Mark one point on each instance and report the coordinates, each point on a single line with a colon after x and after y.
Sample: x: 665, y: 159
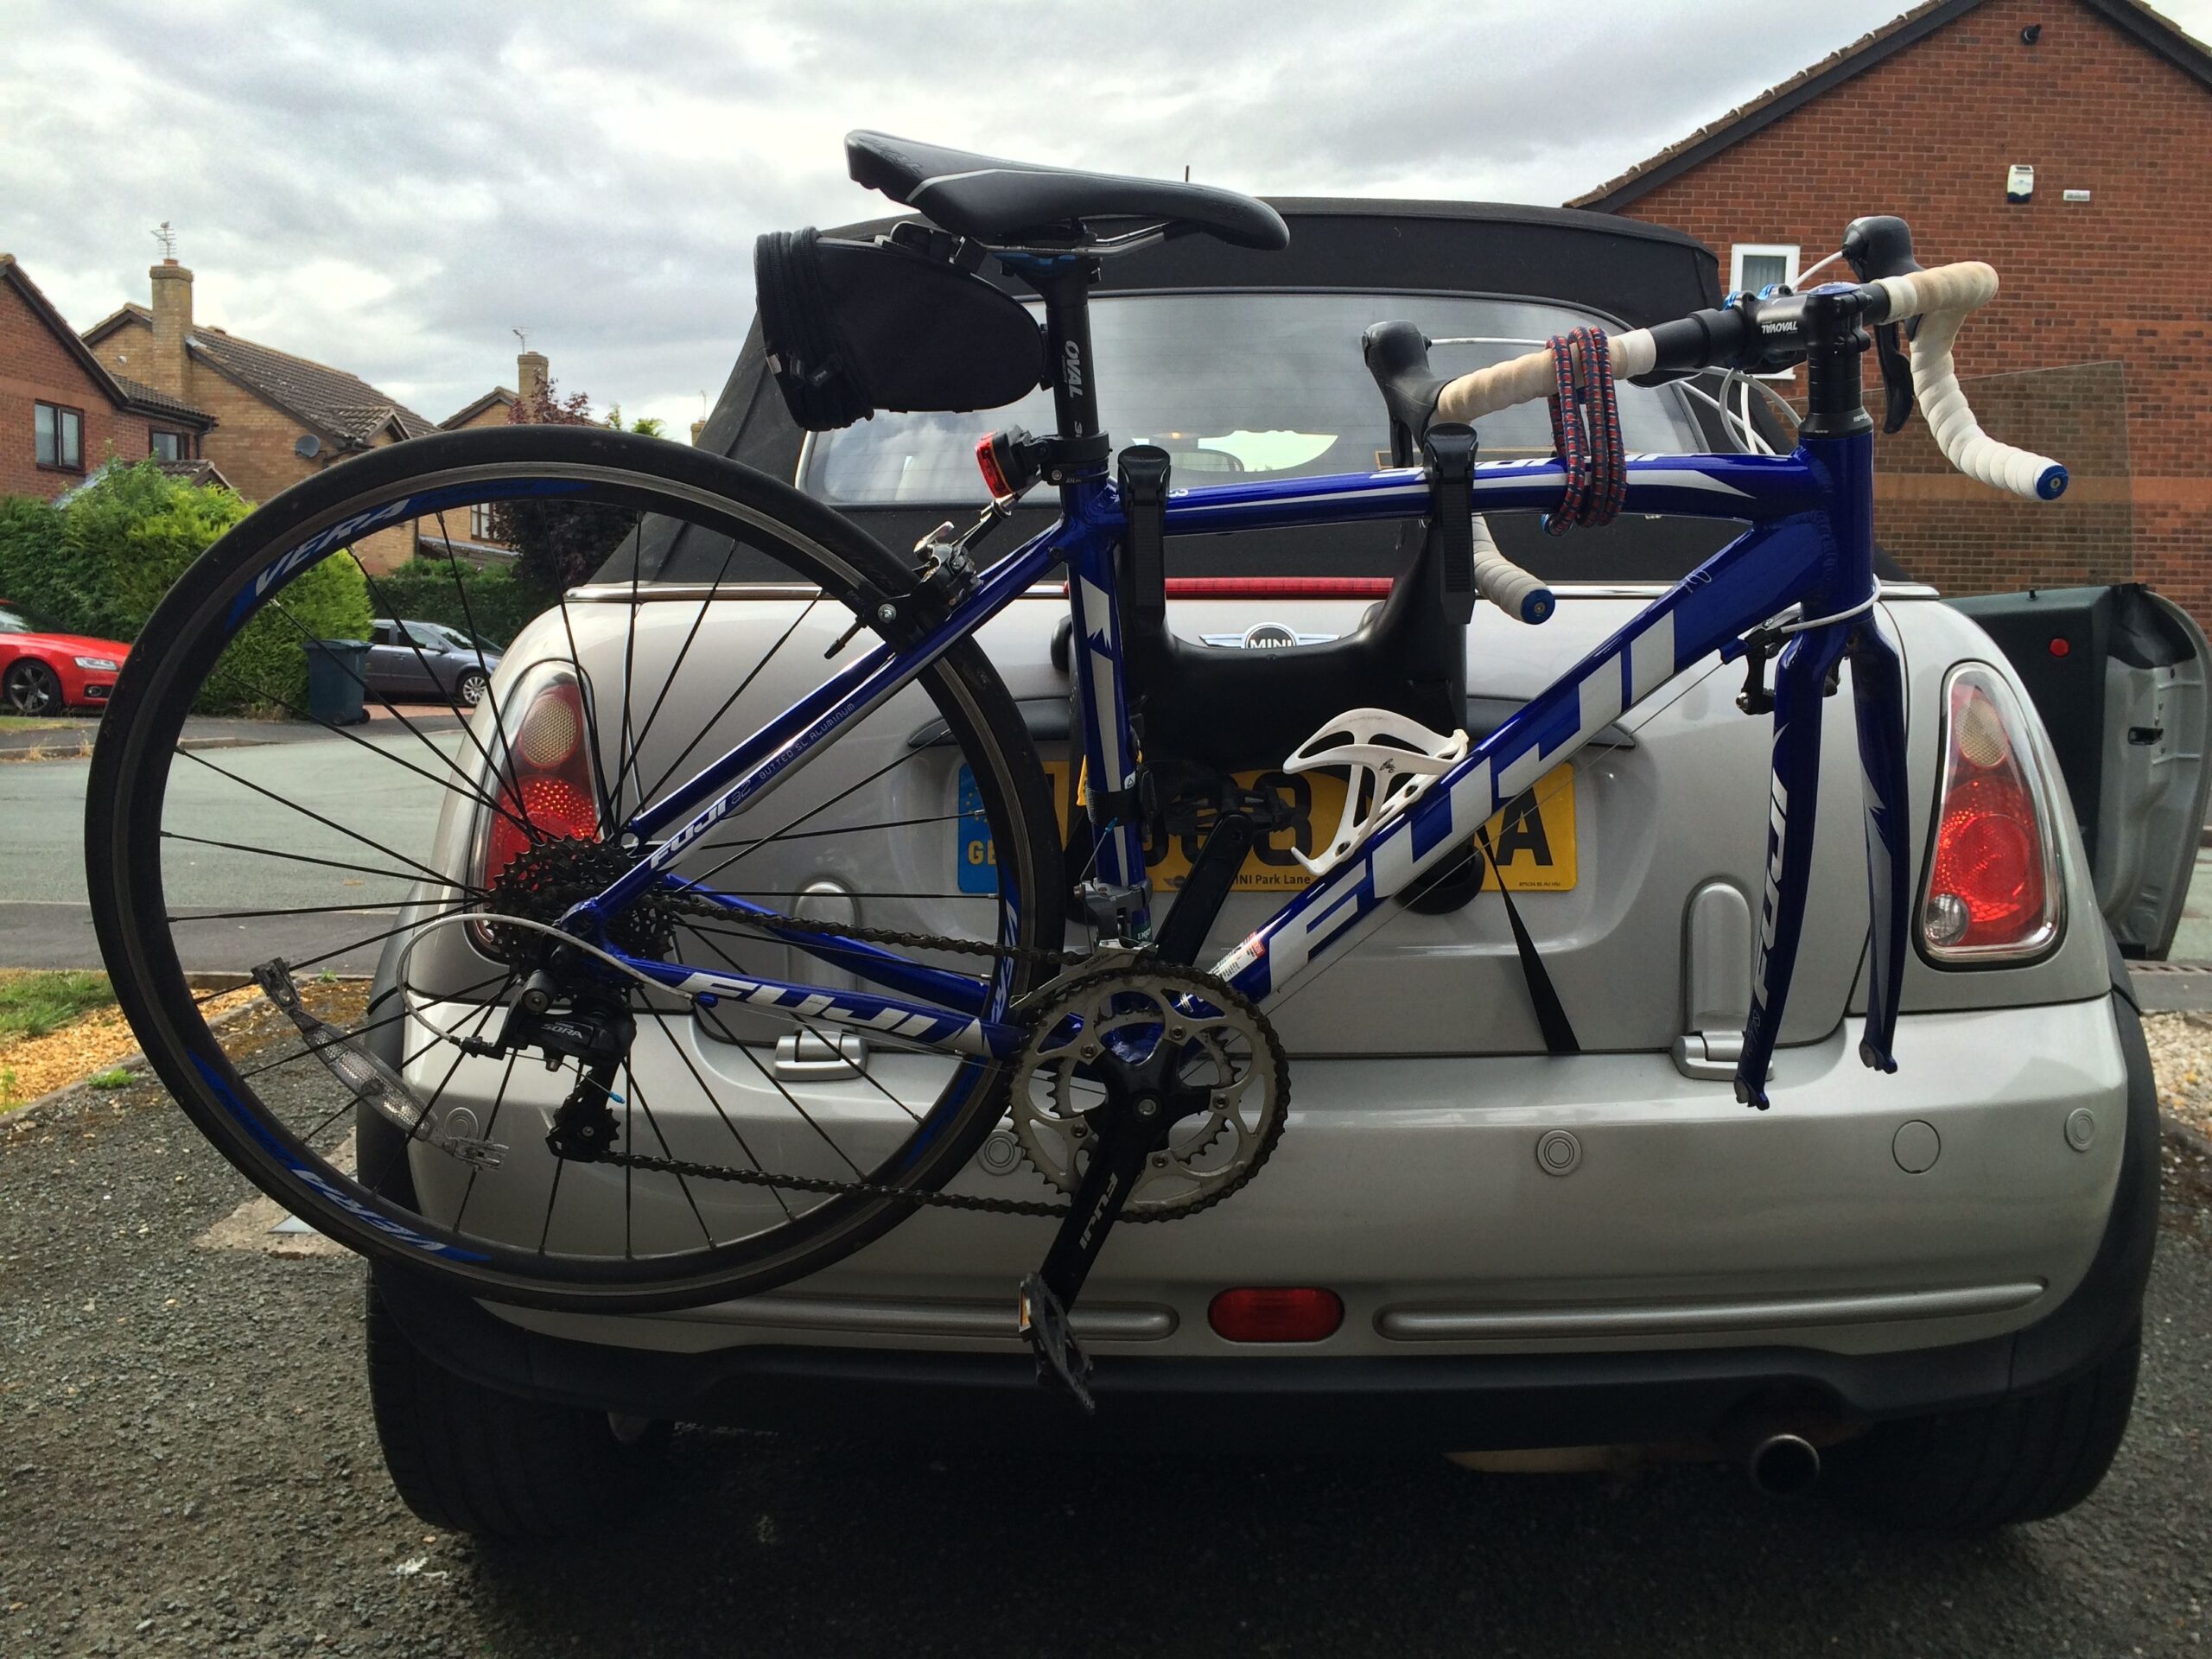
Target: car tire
x: 468, y: 691
x: 2024, y: 1458
x: 469, y: 1458
x: 31, y: 688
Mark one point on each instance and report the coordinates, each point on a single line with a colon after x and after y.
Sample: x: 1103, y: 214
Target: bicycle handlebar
x: 1766, y: 333
x: 1505, y: 584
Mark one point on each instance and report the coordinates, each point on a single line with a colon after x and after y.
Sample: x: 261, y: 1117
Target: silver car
x: 1470, y: 1240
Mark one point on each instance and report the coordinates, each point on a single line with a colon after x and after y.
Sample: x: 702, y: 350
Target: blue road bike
x: 582, y: 880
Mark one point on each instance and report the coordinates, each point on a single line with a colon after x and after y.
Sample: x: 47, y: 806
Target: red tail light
x: 1993, y: 890
x: 551, y: 782
x: 1275, y: 1314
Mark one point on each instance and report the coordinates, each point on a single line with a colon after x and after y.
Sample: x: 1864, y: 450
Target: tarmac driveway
x: 186, y: 1464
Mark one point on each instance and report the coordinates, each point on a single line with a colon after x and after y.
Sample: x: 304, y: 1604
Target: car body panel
x: 1409, y: 1179
x: 81, y: 687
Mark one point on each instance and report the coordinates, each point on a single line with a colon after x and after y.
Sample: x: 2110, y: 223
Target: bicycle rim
x: 349, y: 854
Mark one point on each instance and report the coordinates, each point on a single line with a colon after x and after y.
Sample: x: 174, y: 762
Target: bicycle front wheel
x: 403, y: 869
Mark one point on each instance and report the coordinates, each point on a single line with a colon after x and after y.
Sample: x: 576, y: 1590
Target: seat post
x: 1064, y: 283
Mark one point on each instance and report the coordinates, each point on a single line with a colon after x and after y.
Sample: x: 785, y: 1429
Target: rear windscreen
x: 1238, y: 385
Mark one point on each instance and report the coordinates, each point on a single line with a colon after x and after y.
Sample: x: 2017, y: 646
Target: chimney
x: 168, y: 369
x: 529, y: 376
x: 698, y: 427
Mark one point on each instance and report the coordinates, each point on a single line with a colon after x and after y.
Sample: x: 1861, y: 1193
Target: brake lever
x: 1897, y: 377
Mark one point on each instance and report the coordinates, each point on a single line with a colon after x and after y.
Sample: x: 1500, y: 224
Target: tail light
x: 551, y: 782
x: 1275, y: 1313
x: 1993, y: 892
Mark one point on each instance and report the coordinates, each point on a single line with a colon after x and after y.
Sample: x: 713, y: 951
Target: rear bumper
x: 1461, y: 1401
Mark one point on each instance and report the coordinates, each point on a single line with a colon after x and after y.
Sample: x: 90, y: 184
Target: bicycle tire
x: 132, y: 766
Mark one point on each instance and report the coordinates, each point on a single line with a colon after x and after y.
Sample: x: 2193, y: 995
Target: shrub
x: 30, y: 554
x: 101, y: 565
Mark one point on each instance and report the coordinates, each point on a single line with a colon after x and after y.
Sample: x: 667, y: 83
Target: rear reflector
x: 1993, y: 891
x: 1275, y: 1314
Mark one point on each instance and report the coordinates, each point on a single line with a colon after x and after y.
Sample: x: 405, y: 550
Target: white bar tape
x: 1505, y: 584
x: 1941, y: 299
x: 1526, y: 380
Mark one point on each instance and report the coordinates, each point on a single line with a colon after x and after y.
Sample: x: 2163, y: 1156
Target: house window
x: 1755, y: 266
x: 165, y: 446
x: 60, y: 436
x: 480, y: 522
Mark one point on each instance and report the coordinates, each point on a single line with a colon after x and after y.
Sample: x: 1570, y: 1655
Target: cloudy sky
x: 392, y: 187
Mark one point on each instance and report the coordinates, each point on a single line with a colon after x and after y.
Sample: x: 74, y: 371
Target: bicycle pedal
x: 370, y: 1081
x: 1060, y: 1358
x: 1392, y: 759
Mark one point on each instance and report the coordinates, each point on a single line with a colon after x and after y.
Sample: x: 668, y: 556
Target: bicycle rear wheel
x: 368, y: 845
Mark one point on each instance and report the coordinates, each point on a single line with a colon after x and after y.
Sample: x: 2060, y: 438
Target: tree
x: 557, y: 543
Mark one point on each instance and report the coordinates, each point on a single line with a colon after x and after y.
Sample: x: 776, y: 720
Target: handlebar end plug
x: 2052, y: 484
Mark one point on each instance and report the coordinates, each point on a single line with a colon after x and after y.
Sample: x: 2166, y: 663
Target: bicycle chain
x: 771, y: 921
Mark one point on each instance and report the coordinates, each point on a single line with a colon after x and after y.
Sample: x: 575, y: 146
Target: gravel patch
x: 2181, y: 1055
x: 187, y: 1465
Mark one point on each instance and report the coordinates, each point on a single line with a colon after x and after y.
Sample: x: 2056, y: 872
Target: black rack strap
x: 1543, y: 997
x: 1448, y: 451
x: 1143, y: 475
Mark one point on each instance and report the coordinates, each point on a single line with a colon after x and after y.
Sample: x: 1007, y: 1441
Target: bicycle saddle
x: 1001, y: 203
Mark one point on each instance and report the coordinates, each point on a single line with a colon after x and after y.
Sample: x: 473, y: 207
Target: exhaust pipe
x: 1783, y: 1466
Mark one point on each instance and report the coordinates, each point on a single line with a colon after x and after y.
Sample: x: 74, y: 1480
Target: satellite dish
x: 309, y: 447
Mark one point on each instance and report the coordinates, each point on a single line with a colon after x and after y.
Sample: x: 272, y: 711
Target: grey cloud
x: 392, y: 186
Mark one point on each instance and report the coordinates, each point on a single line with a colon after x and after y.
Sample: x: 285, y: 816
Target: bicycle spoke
x: 675, y: 1043
x: 784, y: 834
x: 636, y: 752
x: 730, y: 702
x: 328, y: 863
x: 490, y: 1128
x: 309, y: 813
x: 666, y: 1151
x: 388, y: 706
x: 467, y: 728
x: 625, y: 746
x: 589, y: 689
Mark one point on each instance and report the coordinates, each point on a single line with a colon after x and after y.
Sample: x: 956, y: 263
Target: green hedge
x: 498, y: 601
x: 100, y: 566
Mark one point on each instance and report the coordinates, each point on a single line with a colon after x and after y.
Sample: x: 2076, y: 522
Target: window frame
x: 480, y: 522
x: 183, y: 443
x: 58, y: 464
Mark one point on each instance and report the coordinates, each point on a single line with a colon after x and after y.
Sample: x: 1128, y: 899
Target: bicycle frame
x: 1809, y: 544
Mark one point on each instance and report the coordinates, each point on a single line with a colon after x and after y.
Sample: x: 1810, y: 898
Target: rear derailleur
x: 588, y: 1024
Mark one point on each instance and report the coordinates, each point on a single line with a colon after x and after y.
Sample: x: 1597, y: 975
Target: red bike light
x: 992, y: 469
x: 1275, y: 1313
x: 549, y: 785
x: 1992, y: 888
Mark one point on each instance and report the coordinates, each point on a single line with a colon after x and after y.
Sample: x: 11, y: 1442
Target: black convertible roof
x: 1634, y: 273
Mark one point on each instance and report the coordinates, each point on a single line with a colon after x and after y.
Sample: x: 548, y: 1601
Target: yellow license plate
x: 1536, y: 850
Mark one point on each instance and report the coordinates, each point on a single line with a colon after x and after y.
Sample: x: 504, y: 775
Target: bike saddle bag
x: 851, y: 327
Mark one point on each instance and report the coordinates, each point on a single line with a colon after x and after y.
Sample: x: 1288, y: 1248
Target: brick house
x: 495, y: 408
x: 63, y: 415
x: 280, y: 417
x: 2099, y: 348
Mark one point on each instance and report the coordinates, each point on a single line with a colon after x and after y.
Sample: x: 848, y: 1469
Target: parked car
x: 42, y: 672
x: 1931, y: 1282
x: 428, y: 662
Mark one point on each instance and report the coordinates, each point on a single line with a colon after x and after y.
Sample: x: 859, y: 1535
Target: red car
x: 43, y: 673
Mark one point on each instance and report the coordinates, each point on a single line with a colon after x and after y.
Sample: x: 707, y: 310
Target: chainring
x: 1228, y: 1047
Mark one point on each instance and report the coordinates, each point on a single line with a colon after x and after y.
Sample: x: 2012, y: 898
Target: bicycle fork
x: 1805, y: 674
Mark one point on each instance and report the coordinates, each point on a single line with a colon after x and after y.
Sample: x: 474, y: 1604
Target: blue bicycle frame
x: 1809, y: 543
